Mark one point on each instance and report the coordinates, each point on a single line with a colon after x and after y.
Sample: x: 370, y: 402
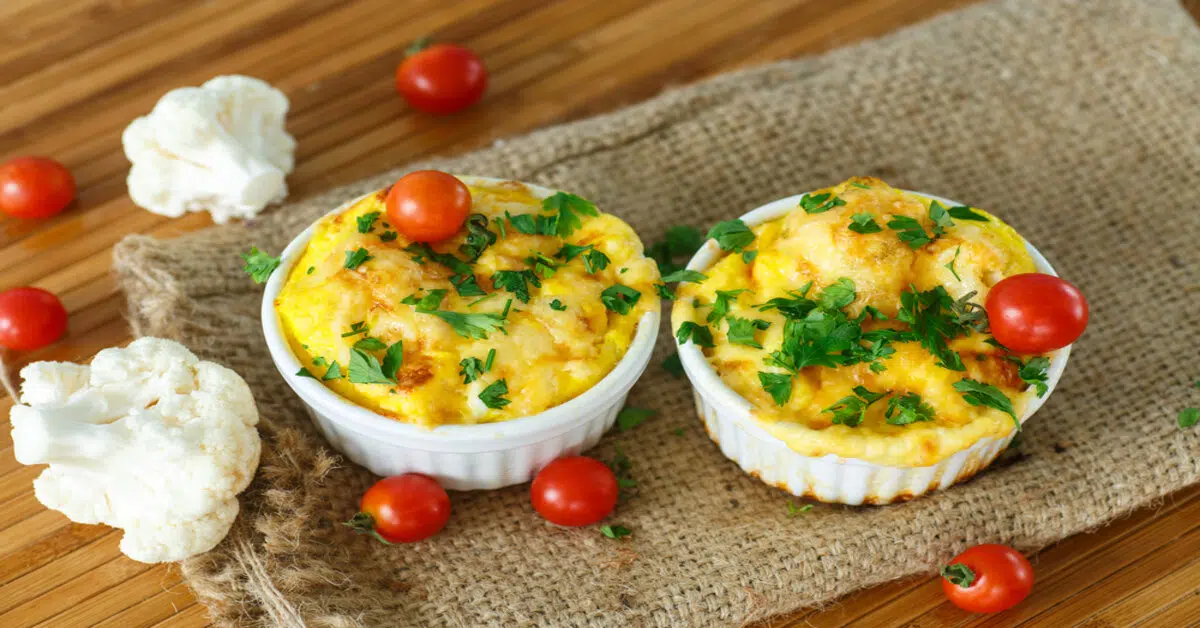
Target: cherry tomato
x: 987, y: 579
x: 30, y: 318
x: 443, y: 78
x: 35, y: 187
x: 403, y: 509
x: 1036, y: 313
x: 428, y: 205
x: 574, y: 491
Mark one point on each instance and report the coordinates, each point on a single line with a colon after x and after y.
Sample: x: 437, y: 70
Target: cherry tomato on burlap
x: 402, y: 509
x: 574, y: 491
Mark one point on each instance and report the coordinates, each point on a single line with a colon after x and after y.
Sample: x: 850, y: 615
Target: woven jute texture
x: 1079, y: 123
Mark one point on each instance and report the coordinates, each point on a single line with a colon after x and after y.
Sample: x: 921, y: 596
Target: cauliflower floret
x: 220, y: 147
x: 148, y: 439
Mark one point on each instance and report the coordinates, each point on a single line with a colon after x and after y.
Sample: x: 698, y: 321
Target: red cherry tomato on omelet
x: 443, y: 78
x: 35, y: 187
x: 1036, y: 313
x: 987, y: 579
x: 428, y: 205
x: 574, y: 491
x: 403, y: 509
x: 30, y: 318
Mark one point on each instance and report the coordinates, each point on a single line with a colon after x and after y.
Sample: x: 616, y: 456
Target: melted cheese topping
x: 798, y: 248
x: 546, y: 357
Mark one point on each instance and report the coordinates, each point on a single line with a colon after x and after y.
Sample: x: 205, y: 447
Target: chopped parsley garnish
x: 387, y: 236
x: 837, y: 295
x: 619, y: 298
x: 366, y: 222
x: 673, y: 365
x: 963, y: 212
x: 430, y: 301
x: 568, y: 208
x: 493, y: 395
x: 864, y: 223
x: 910, y: 231
x: 978, y: 393
x: 533, y: 224
x: 959, y: 574
x: 742, y: 330
x: 1034, y: 372
x: 558, y: 306
x: 720, y: 307
x: 950, y: 266
x: 365, y: 369
x: 862, y: 186
x: 936, y: 318
x: 615, y: 531
x: 940, y: 217
x: 478, y: 237
x: 907, y: 409
x: 593, y: 261
x: 476, y: 326
x: 320, y: 361
x: 463, y: 278
x: 516, y: 282
x: 664, y: 291
x: 303, y: 372
x: 259, y: 265
x: 629, y: 418
x: 622, y: 467
x: 310, y: 270
x: 794, y: 510
x: 700, y: 335
x: 1189, y: 417
x: 467, y: 286
x: 356, y: 258
x: 734, y: 236
x: 356, y: 328
x: 685, y: 275
x: 820, y: 203
x: 778, y: 385
x: 370, y: 344
x: 474, y: 368
x: 850, y: 411
x: 543, y: 266
x: 333, y: 372
x: 393, y: 358
x: 678, y: 242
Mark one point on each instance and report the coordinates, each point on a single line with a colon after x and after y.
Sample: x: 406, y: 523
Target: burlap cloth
x: 1077, y: 122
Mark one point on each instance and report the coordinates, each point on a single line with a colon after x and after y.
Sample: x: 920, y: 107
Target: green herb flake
x: 910, y: 231
x: 619, y: 298
x: 742, y: 330
x: 820, y: 203
x: 664, y: 291
x: 471, y: 369
x: 393, y: 358
x: 475, y: 326
x: 310, y: 270
x: 478, y: 237
x: 778, y: 385
x: 700, y: 335
x: 864, y: 223
x: 685, y: 275
x: 1035, y: 373
x: 940, y: 217
x: 259, y: 265
x: 320, y: 361
x: 370, y: 344
x: 558, y: 306
x: 720, y: 308
x: 963, y: 212
x: 366, y: 222
x: 615, y: 531
x: 356, y: 328
x: 493, y: 395
x: 907, y: 409
x: 793, y: 510
x: 673, y: 365
x: 861, y: 186
x: 387, y: 236
x: 365, y: 369
x: 978, y: 393
x: 837, y: 295
x: 629, y: 417
x: 356, y: 258
x: 731, y: 235
x: 517, y: 282
x: 950, y: 266
x: 333, y: 372
x: 303, y: 372
x: 1189, y: 417
x: 533, y: 224
x: 850, y: 411
x: 568, y: 209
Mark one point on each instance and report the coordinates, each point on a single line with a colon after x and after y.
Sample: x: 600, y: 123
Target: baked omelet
x: 849, y: 322
x: 493, y: 324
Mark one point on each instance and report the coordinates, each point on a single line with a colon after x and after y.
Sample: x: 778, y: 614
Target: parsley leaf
x: 543, y: 266
x: 493, y: 395
x: 356, y: 258
x: 259, y: 265
x: 619, y: 298
x: 690, y: 276
x: 333, y: 372
x: 593, y: 261
x: 731, y: 235
x: 516, y: 282
x: 931, y: 315
x: 370, y: 344
x: 940, y: 217
x: 467, y: 286
x: 673, y: 365
x: 664, y: 291
x: 629, y: 417
x: 430, y: 301
x: 471, y: 369
x: 907, y: 409
x: 569, y: 208
x: 850, y: 411
x: 615, y: 531
x: 837, y: 295
x: 558, y: 306
x: 864, y: 223
x: 533, y: 224
x: 310, y: 270
x: 365, y: 369
x: 950, y: 266
x: 820, y: 203
x: 476, y: 326
x: 356, y: 328
x: 303, y: 372
x: 794, y: 510
x: 778, y: 385
x: 478, y: 237
x: 862, y: 186
x: 1189, y: 417
x: 1034, y: 373
x: 366, y: 222
x: 319, y: 361
x: 978, y: 393
x: 720, y: 307
x: 963, y: 212
x: 463, y: 279
x: 393, y: 358
x: 797, y: 305
x: 387, y: 236
x: 700, y: 335
x: 910, y: 231
x: 742, y: 330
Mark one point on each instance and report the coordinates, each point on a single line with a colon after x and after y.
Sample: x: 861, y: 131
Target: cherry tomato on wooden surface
x: 987, y: 579
x: 30, y: 318
x: 402, y: 509
x: 574, y: 491
x: 428, y: 205
x: 443, y: 78
x: 1036, y: 313
x: 35, y: 187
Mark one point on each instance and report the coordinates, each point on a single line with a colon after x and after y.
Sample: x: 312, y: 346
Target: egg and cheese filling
x: 855, y: 324
x: 532, y: 303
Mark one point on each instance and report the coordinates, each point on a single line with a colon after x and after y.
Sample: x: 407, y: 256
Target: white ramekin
x: 460, y: 457
x: 729, y: 420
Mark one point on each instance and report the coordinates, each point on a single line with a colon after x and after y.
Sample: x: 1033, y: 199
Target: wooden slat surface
x: 73, y: 73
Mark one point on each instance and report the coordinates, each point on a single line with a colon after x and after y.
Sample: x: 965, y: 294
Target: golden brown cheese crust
x: 800, y: 247
x: 547, y: 357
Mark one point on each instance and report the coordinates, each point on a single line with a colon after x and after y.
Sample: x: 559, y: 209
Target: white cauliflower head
x: 148, y: 439
x: 220, y: 147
